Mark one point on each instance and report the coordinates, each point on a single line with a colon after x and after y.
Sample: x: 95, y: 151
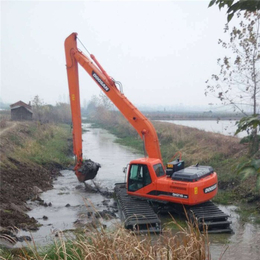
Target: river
x: 225, y: 127
x: 70, y: 203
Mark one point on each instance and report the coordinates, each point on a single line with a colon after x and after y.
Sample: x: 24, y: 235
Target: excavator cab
x: 188, y: 186
x: 142, y: 173
x: 139, y: 177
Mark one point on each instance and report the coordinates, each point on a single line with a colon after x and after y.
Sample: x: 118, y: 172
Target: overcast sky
x: 161, y: 51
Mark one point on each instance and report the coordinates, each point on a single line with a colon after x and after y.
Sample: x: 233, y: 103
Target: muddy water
x: 242, y: 244
x: 70, y: 203
x: 99, y: 145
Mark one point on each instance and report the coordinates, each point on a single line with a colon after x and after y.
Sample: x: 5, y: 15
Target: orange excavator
x: 147, y: 178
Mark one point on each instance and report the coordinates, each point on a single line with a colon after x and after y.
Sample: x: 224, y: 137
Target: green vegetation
x: 49, y: 144
x: 40, y: 143
x: 236, y: 6
x: 225, y: 197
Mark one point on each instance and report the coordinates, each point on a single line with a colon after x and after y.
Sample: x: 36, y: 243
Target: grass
x: 43, y: 144
x: 225, y: 197
x: 131, y: 142
x: 187, y: 243
x: 15, y: 140
x: 248, y: 213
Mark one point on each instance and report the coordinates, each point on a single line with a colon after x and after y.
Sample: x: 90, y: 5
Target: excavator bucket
x: 89, y: 170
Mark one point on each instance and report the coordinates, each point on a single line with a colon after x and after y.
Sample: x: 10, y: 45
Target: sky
x: 161, y: 51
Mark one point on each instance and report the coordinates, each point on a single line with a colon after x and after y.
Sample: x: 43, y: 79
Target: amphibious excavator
x: 148, y: 182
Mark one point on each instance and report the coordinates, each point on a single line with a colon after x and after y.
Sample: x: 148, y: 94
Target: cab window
x: 158, y: 170
x: 139, y: 177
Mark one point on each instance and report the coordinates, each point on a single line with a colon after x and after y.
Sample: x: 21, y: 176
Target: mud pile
x: 20, y: 179
x: 19, y: 183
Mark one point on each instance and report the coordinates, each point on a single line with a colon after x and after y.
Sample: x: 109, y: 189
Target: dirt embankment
x: 22, y: 178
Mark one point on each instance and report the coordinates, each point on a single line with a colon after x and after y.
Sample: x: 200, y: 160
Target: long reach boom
x: 141, y: 124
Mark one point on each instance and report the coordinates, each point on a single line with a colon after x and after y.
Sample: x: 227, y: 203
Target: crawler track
x: 137, y: 214
x: 209, y: 216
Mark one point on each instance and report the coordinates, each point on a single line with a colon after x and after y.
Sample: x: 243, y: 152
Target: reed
x: 120, y: 244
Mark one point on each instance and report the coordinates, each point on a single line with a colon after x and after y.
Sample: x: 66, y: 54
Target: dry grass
x: 197, y: 145
x: 121, y: 244
x: 3, y: 122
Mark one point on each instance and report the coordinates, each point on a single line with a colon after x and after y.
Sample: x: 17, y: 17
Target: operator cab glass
x: 139, y: 177
x: 159, y: 170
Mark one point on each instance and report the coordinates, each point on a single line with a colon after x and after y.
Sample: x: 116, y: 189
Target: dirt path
x: 10, y: 125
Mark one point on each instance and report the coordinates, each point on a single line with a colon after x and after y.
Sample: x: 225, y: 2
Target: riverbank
x: 191, y: 115
x: 32, y: 155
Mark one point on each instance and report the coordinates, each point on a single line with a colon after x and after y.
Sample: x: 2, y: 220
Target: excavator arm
x: 141, y: 124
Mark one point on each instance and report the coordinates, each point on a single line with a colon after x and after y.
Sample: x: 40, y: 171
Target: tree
x: 237, y: 83
x: 45, y: 113
x: 90, y: 109
x: 60, y: 113
x: 37, y: 105
x: 235, y: 6
x: 105, y: 101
